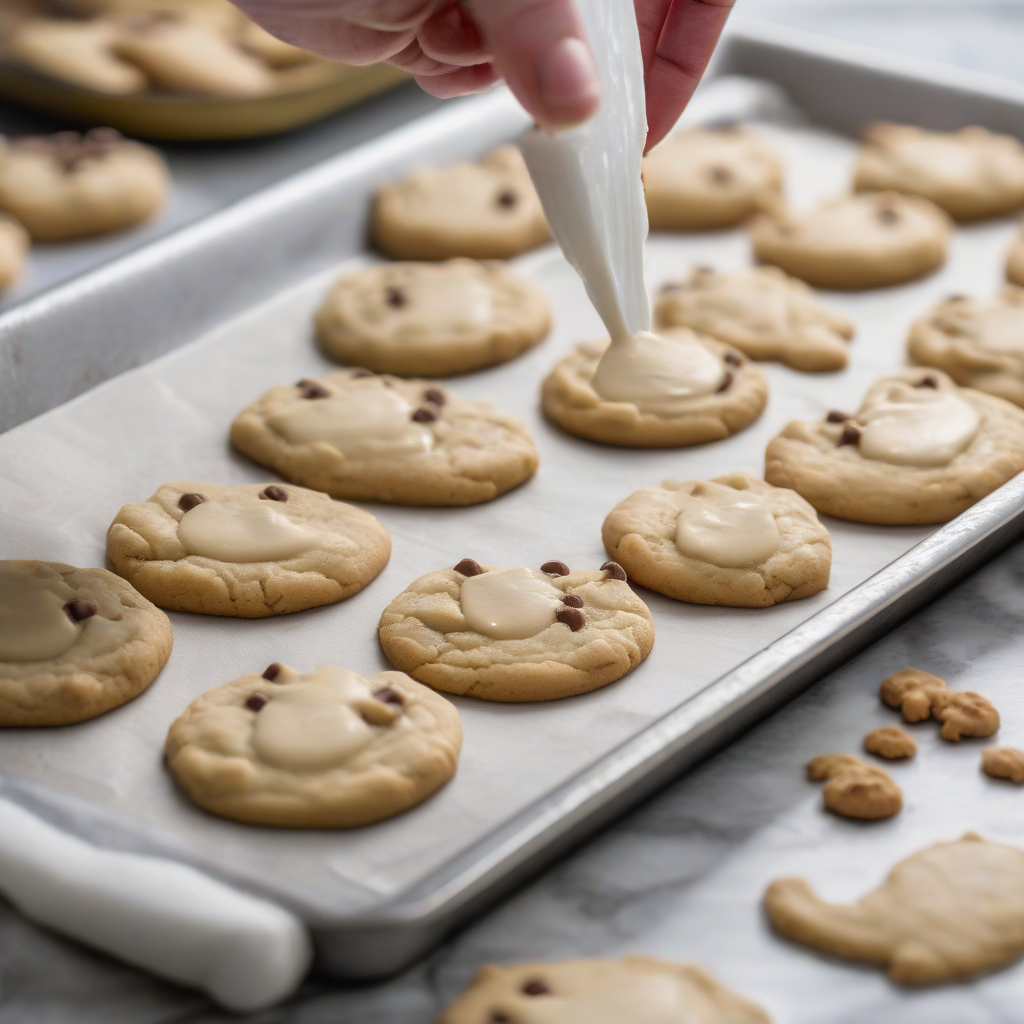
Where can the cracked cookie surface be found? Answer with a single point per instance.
(432, 319)
(356, 435)
(74, 643)
(323, 749)
(517, 634)
(248, 551)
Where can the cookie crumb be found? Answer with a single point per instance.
(855, 789)
(912, 691)
(1003, 763)
(890, 742)
(964, 713)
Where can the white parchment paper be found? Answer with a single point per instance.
(67, 473)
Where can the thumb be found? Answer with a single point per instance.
(540, 48)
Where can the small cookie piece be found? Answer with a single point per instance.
(69, 185)
(763, 312)
(919, 450)
(488, 210)
(710, 178)
(912, 691)
(73, 643)
(694, 389)
(635, 989)
(732, 541)
(947, 912)
(14, 243)
(1015, 259)
(978, 342)
(970, 173)
(432, 319)
(855, 789)
(890, 742)
(1003, 763)
(368, 438)
(79, 52)
(964, 713)
(861, 241)
(321, 749)
(248, 551)
(517, 634)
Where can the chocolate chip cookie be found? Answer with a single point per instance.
(248, 551)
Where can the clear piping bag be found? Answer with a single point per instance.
(588, 177)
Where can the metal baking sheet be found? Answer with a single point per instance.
(192, 315)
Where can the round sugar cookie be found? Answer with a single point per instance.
(919, 450)
(432, 319)
(761, 311)
(323, 749)
(710, 178)
(970, 173)
(868, 240)
(517, 634)
(365, 437)
(74, 643)
(732, 541)
(486, 210)
(247, 551)
(720, 402)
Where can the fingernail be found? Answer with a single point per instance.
(569, 86)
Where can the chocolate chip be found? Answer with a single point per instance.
(469, 567)
(850, 435)
(257, 701)
(835, 416)
(272, 671)
(507, 199)
(499, 1017)
(555, 568)
(435, 395)
(78, 609)
(356, 374)
(887, 215)
(424, 414)
(614, 570)
(726, 381)
(189, 501)
(536, 987)
(928, 382)
(310, 389)
(389, 696)
(395, 297)
(572, 617)
(573, 601)
(720, 175)
(274, 493)
(732, 359)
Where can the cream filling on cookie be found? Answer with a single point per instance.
(317, 722)
(1001, 330)
(362, 422)
(726, 527)
(33, 623)
(658, 375)
(919, 427)
(452, 300)
(510, 604)
(243, 533)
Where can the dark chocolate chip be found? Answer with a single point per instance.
(572, 617)
(469, 567)
(274, 493)
(424, 414)
(272, 671)
(720, 175)
(573, 601)
(536, 987)
(189, 501)
(434, 395)
(887, 215)
(310, 389)
(927, 382)
(499, 1017)
(555, 568)
(389, 696)
(850, 435)
(731, 358)
(614, 570)
(356, 374)
(726, 381)
(507, 199)
(835, 416)
(78, 609)
(396, 297)
(256, 701)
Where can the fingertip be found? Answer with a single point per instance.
(568, 86)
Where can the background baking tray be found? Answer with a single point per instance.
(533, 779)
